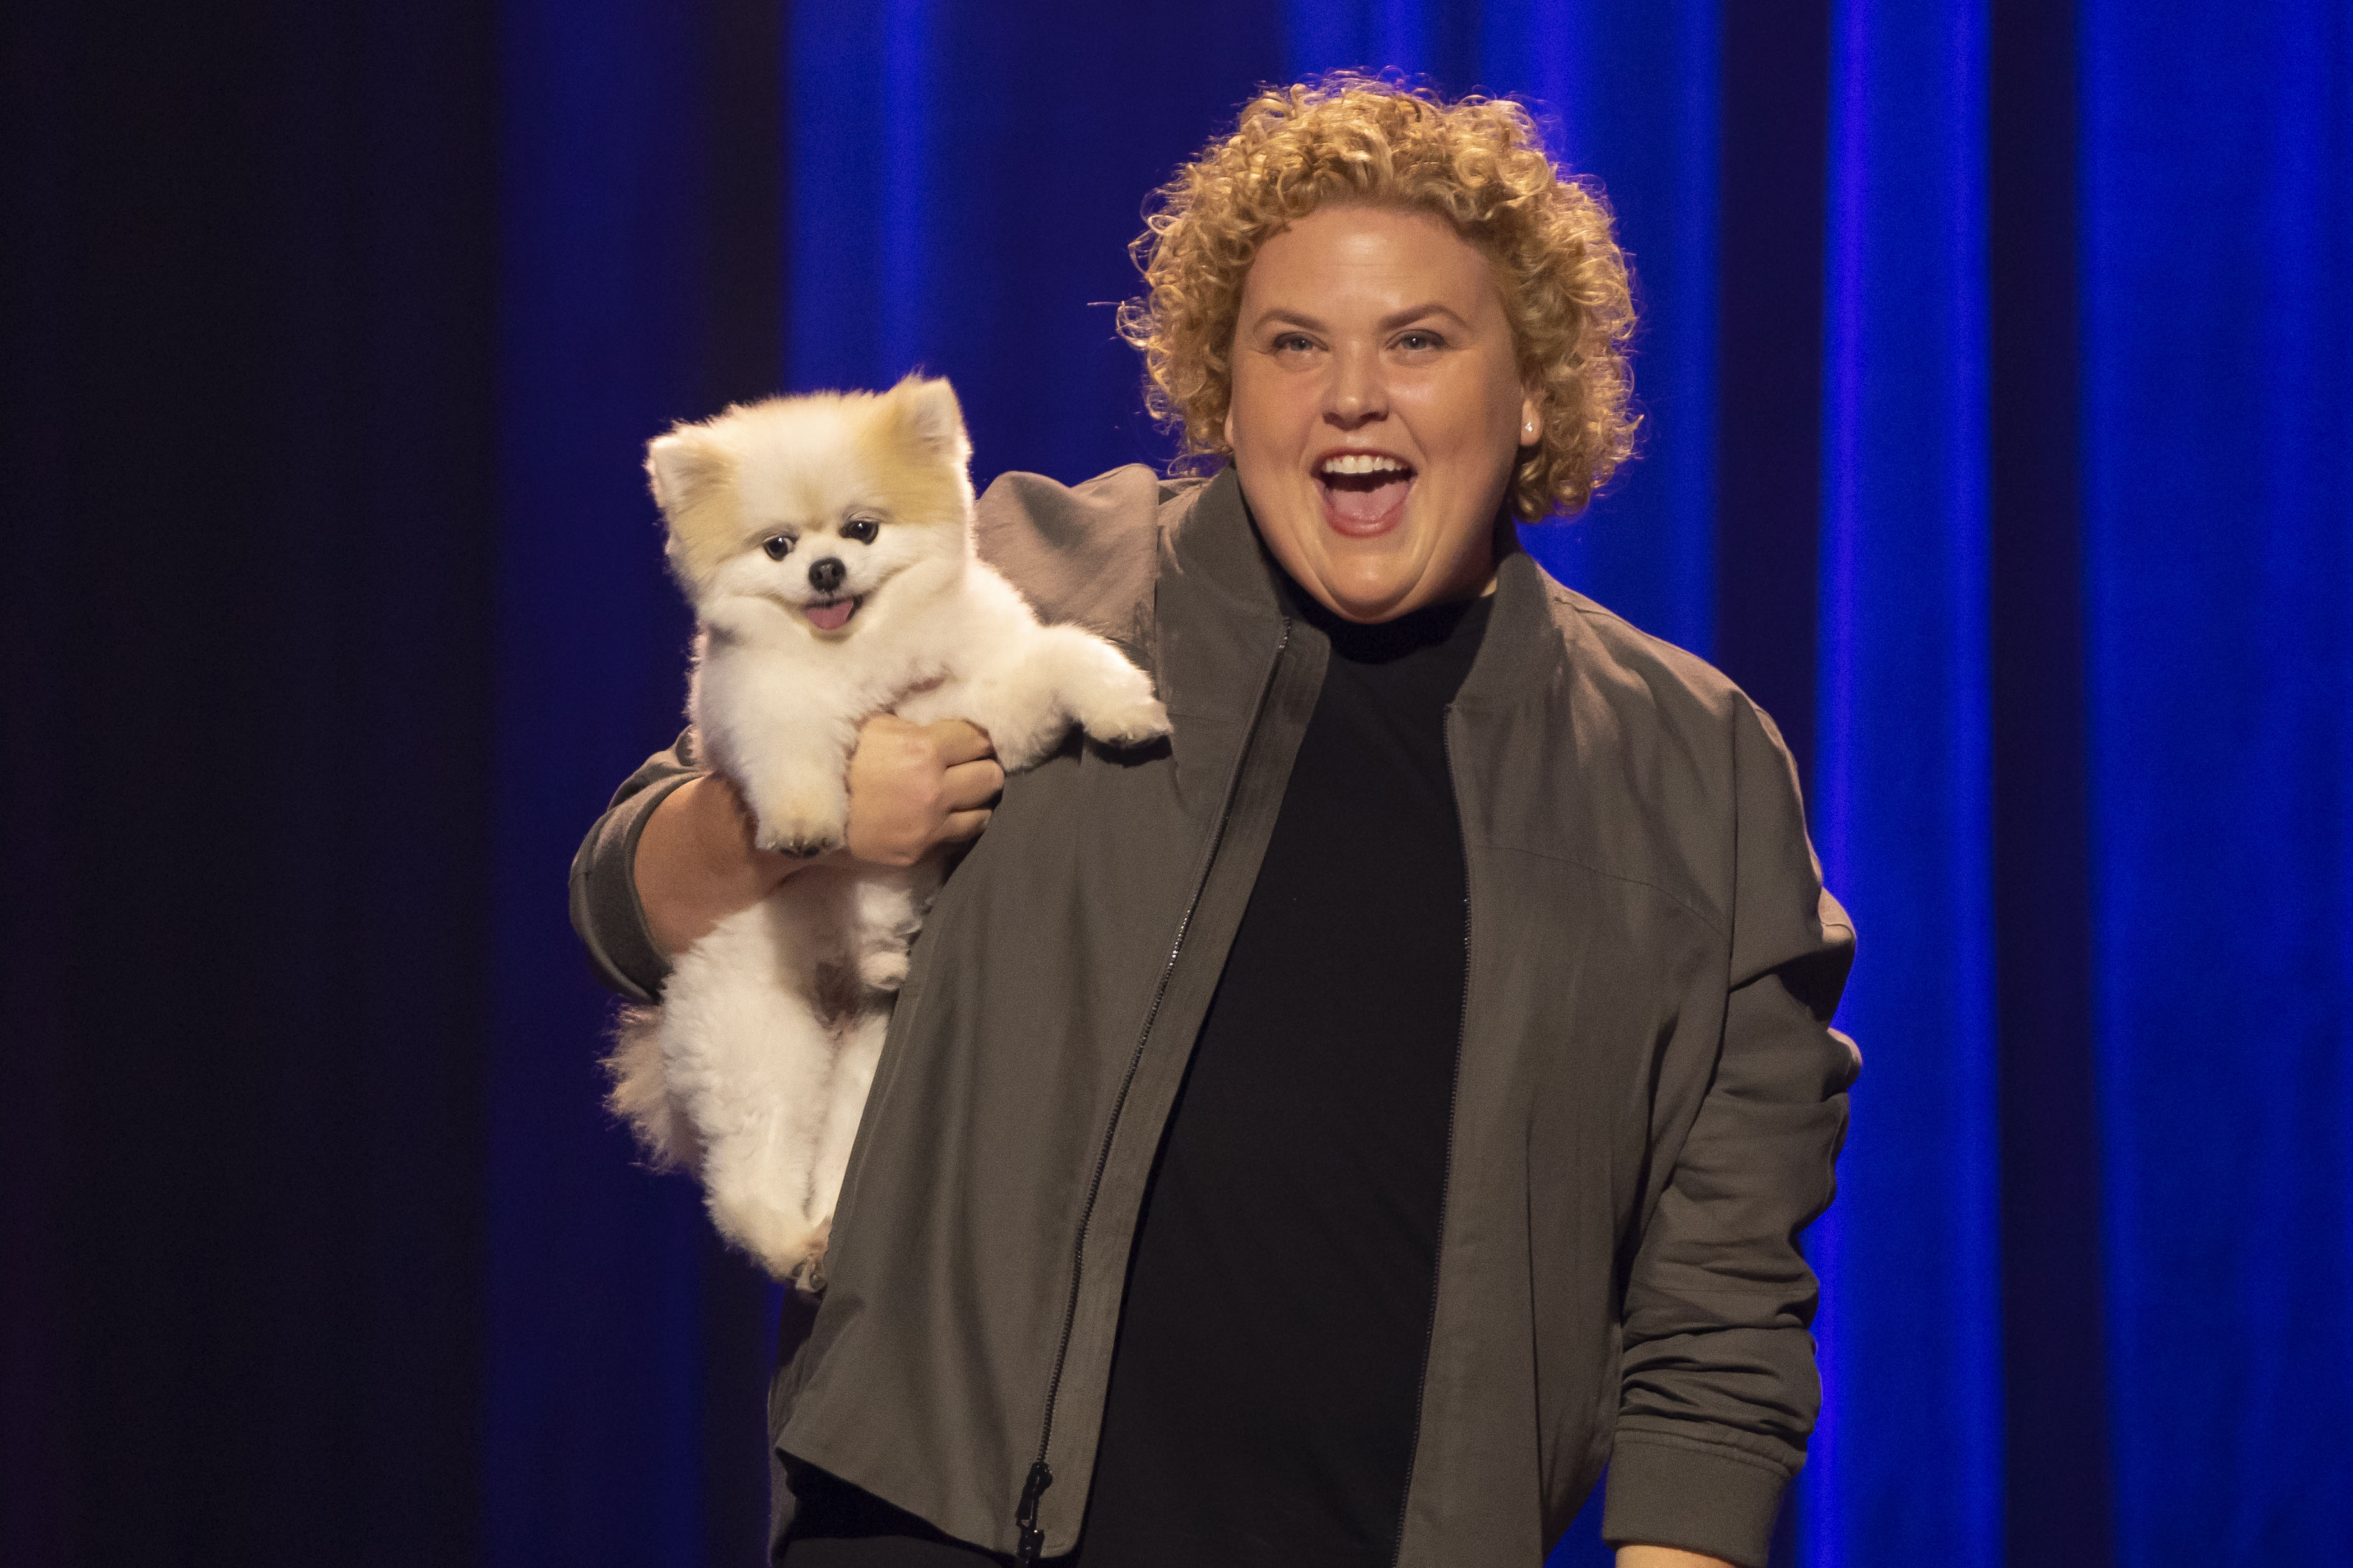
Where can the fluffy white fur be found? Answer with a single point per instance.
(754, 1070)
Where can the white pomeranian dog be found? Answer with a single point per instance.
(825, 543)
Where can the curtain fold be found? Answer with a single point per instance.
(622, 1416)
(1998, 372)
(1902, 814)
(2218, 233)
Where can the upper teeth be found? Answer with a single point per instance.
(1362, 463)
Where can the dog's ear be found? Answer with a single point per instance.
(685, 467)
(928, 412)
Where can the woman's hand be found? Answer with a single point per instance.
(1665, 1557)
(912, 787)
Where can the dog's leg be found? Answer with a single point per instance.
(749, 1057)
(783, 737)
(1083, 676)
(887, 908)
(853, 1076)
(792, 763)
(1040, 681)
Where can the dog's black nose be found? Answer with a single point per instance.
(825, 576)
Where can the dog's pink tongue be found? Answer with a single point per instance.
(832, 617)
(1361, 504)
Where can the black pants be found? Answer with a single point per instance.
(836, 1525)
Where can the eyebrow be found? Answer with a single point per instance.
(1390, 322)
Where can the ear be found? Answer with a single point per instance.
(685, 467)
(1532, 421)
(928, 411)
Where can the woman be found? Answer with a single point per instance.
(1332, 1137)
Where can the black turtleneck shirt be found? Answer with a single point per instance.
(1266, 1386)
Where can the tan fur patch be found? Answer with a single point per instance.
(693, 482)
(920, 471)
(907, 449)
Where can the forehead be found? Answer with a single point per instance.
(1349, 258)
(800, 462)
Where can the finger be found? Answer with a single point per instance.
(885, 724)
(958, 742)
(968, 784)
(963, 824)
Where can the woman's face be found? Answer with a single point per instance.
(1377, 409)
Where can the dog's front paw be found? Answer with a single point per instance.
(1127, 723)
(802, 842)
(800, 825)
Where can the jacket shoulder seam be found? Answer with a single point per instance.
(1701, 679)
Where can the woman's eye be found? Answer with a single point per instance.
(860, 529)
(1293, 342)
(1415, 343)
(778, 546)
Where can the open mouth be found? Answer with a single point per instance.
(1363, 492)
(830, 614)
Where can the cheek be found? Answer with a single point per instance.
(751, 572)
(1470, 435)
(873, 562)
(1471, 419)
(1264, 413)
(895, 549)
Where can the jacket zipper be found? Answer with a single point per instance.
(1453, 1100)
(1030, 1536)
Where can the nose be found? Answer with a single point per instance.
(1357, 396)
(825, 576)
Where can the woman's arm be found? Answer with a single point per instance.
(1717, 1385)
(1665, 1557)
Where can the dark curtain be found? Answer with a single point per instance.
(251, 438)
(1998, 362)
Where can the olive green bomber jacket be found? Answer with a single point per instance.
(1648, 1104)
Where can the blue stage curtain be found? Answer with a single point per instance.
(1902, 811)
(2218, 343)
(1997, 364)
(1600, 75)
(642, 162)
(1866, 483)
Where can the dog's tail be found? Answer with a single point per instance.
(640, 1093)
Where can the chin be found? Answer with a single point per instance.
(1360, 599)
(1374, 579)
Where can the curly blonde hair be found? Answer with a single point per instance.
(1479, 163)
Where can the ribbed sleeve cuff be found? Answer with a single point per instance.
(606, 912)
(1699, 1497)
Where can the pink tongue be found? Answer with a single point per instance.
(1368, 505)
(832, 617)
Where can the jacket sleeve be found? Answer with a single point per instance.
(605, 908)
(1717, 1385)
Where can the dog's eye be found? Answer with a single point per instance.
(860, 529)
(777, 547)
